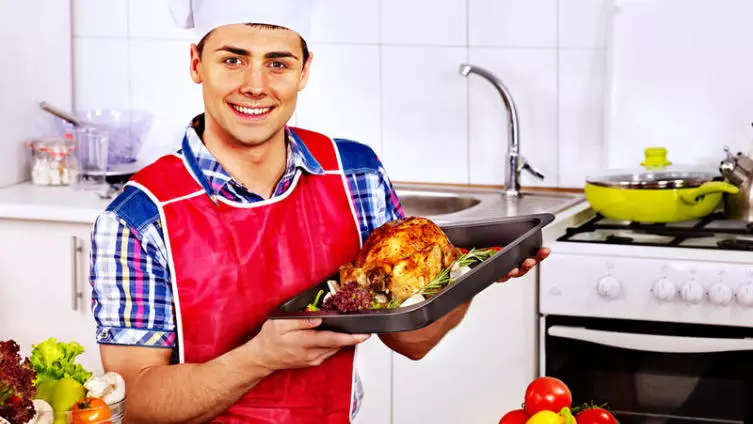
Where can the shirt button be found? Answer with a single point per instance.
(103, 335)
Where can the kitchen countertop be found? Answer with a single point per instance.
(50, 203)
(64, 204)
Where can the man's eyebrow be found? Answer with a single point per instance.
(280, 55)
(235, 50)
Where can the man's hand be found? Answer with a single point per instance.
(528, 264)
(286, 344)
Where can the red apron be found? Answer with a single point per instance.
(232, 263)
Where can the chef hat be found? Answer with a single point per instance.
(205, 15)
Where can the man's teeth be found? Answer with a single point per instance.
(252, 111)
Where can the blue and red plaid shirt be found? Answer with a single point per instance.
(132, 298)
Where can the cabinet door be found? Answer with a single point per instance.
(374, 362)
(481, 369)
(43, 286)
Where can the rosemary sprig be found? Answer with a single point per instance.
(443, 278)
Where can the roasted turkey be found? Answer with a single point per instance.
(396, 261)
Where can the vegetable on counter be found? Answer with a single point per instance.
(90, 410)
(16, 384)
(54, 360)
(109, 387)
(548, 400)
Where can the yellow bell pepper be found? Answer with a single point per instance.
(549, 417)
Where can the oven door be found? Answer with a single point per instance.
(651, 372)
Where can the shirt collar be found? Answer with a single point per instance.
(214, 175)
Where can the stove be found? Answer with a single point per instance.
(654, 319)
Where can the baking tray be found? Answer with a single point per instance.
(520, 236)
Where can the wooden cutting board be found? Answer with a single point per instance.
(35, 65)
(680, 75)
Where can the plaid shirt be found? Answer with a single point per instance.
(132, 298)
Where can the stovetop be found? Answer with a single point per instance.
(710, 232)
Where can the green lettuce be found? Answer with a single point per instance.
(54, 360)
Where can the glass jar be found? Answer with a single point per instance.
(52, 162)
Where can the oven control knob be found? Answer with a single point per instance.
(745, 295)
(720, 294)
(692, 292)
(609, 287)
(664, 290)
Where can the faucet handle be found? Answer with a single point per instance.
(524, 165)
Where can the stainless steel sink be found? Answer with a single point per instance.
(445, 204)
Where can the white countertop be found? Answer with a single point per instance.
(48, 203)
(64, 204)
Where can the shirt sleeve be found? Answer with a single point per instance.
(131, 292)
(393, 209)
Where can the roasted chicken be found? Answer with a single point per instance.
(397, 260)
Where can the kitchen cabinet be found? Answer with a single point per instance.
(481, 369)
(44, 289)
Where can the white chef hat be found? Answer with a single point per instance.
(205, 15)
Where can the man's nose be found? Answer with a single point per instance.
(255, 81)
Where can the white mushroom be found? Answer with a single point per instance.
(110, 387)
(416, 298)
(43, 413)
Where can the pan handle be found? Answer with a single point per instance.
(693, 196)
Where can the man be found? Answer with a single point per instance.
(190, 257)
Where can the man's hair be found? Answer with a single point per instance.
(304, 46)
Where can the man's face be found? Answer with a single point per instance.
(251, 77)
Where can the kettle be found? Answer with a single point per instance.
(738, 169)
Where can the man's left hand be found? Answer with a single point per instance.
(527, 265)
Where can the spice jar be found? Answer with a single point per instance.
(52, 162)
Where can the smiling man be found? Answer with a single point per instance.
(201, 244)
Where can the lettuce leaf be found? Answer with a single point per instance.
(54, 360)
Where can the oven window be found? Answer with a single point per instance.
(654, 387)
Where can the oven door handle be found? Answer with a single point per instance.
(651, 342)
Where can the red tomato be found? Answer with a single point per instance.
(518, 416)
(494, 248)
(462, 250)
(547, 394)
(595, 416)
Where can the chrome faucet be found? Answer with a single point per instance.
(514, 162)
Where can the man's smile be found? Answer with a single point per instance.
(251, 112)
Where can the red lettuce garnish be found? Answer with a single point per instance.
(16, 384)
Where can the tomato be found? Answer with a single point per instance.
(462, 250)
(90, 410)
(494, 248)
(547, 394)
(518, 416)
(595, 415)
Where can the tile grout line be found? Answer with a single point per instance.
(468, 91)
(559, 92)
(129, 55)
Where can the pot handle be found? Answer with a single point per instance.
(692, 196)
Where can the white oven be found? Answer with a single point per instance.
(662, 333)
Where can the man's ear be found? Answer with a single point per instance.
(306, 71)
(195, 65)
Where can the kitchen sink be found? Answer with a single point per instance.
(423, 203)
(444, 204)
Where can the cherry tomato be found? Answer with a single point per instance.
(595, 416)
(517, 416)
(90, 410)
(547, 394)
(462, 250)
(494, 248)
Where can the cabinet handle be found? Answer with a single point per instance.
(75, 293)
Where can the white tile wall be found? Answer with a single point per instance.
(386, 73)
(339, 102)
(345, 21)
(513, 23)
(424, 22)
(581, 116)
(583, 23)
(425, 114)
(101, 70)
(97, 18)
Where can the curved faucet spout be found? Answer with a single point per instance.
(513, 163)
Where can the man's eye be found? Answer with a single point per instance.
(233, 61)
(278, 65)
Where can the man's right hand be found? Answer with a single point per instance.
(293, 343)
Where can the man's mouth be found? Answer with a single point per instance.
(246, 112)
